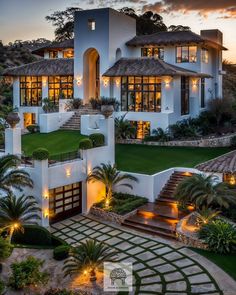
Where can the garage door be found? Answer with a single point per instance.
(65, 201)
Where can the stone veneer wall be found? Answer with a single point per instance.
(110, 216)
(223, 141)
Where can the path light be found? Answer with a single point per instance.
(107, 203)
(15, 226)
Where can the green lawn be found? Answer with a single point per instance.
(152, 159)
(226, 262)
(58, 142)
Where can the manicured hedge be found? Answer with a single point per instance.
(61, 252)
(85, 144)
(36, 235)
(40, 154)
(98, 139)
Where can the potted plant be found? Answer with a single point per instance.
(13, 118)
(107, 106)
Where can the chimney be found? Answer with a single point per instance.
(212, 35)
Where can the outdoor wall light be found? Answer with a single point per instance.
(167, 81)
(46, 196)
(68, 172)
(195, 83)
(46, 213)
(79, 80)
(232, 180)
(117, 82)
(105, 82)
(44, 81)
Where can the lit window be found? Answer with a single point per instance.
(68, 53)
(205, 55)
(91, 24)
(30, 90)
(53, 54)
(153, 52)
(186, 54)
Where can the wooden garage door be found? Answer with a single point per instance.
(65, 201)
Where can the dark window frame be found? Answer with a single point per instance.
(185, 107)
(179, 59)
(148, 89)
(28, 87)
(141, 124)
(160, 50)
(63, 88)
(203, 93)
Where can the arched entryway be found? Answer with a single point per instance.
(91, 75)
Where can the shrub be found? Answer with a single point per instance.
(110, 101)
(77, 103)
(26, 273)
(219, 235)
(5, 248)
(32, 235)
(95, 103)
(59, 292)
(187, 128)
(2, 286)
(34, 128)
(85, 144)
(233, 142)
(49, 106)
(40, 154)
(124, 129)
(98, 139)
(61, 252)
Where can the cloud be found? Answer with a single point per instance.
(226, 8)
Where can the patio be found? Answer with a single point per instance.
(160, 266)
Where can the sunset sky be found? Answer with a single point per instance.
(25, 19)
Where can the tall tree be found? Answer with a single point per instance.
(178, 28)
(63, 21)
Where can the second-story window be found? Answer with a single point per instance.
(153, 52)
(205, 55)
(53, 54)
(92, 24)
(68, 53)
(186, 54)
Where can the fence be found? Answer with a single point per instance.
(69, 156)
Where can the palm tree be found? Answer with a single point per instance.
(202, 190)
(16, 212)
(10, 176)
(88, 257)
(110, 177)
(123, 128)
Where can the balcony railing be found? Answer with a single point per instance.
(64, 157)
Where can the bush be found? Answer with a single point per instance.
(5, 248)
(34, 128)
(98, 139)
(40, 154)
(110, 101)
(233, 142)
(61, 252)
(27, 273)
(85, 144)
(187, 128)
(58, 292)
(95, 103)
(219, 235)
(35, 235)
(2, 286)
(77, 103)
(49, 106)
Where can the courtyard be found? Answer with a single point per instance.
(159, 266)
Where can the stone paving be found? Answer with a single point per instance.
(159, 268)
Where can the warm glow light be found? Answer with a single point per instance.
(44, 81)
(147, 214)
(117, 82)
(187, 173)
(105, 81)
(46, 213)
(85, 272)
(15, 225)
(167, 80)
(195, 83)
(79, 80)
(45, 195)
(68, 172)
(107, 203)
(232, 180)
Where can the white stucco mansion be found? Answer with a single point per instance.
(158, 79)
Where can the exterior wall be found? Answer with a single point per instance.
(53, 121)
(106, 38)
(16, 92)
(36, 110)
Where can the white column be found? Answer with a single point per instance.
(41, 189)
(44, 87)
(16, 92)
(13, 141)
(107, 127)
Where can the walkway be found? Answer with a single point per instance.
(160, 266)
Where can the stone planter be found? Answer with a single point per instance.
(110, 216)
(107, 110)
(13, 119)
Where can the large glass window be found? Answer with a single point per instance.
(205, 55)
(53, 54)
(202, 92)
(153, 52)
(30, 91)
(142, 128)
(186, 54)
(68, 53)
(184, 95)
(60, 87)
(141, 94)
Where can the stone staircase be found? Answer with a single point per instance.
(74, 122)
(159, 218)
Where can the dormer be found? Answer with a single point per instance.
(64, 49)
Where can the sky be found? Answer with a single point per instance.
(25, 19)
